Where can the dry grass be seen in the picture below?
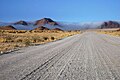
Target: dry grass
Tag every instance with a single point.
(11, 39)
(111, 32)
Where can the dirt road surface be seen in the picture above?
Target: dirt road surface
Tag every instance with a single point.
(87, 56)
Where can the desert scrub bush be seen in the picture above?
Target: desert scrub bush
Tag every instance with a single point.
(26, 42)
(37, 31)
(21, 31)
(52, 38)
(9, 39)
(1, 31)
(16, 45)
(19, 39)
(2, 40)
(45, 38)
(36, 39)
(11, 31)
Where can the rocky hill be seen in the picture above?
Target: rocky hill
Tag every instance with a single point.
(9, 27)
(110, 24)
(41, 28)
(21, 23)
(46, 21)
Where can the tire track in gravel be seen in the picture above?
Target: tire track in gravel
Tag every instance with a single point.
(41, 70)
(67, 72)
(58, 67)
(74, 54)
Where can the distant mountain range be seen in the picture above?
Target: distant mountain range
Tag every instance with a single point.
(49, 24)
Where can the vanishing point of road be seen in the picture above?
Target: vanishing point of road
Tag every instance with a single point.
(86, 56)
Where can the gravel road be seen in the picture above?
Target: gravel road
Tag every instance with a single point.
(87, 56)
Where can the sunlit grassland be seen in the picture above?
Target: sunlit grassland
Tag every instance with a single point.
(12, 39)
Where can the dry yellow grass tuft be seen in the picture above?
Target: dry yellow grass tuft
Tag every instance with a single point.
(11, 39)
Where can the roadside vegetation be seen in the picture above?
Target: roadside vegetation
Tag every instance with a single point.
(14, 39)
(111, 32)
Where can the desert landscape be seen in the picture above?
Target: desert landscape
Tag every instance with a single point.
(59, 39)
(57, 54)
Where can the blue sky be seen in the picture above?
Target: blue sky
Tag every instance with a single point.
(60, 10)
